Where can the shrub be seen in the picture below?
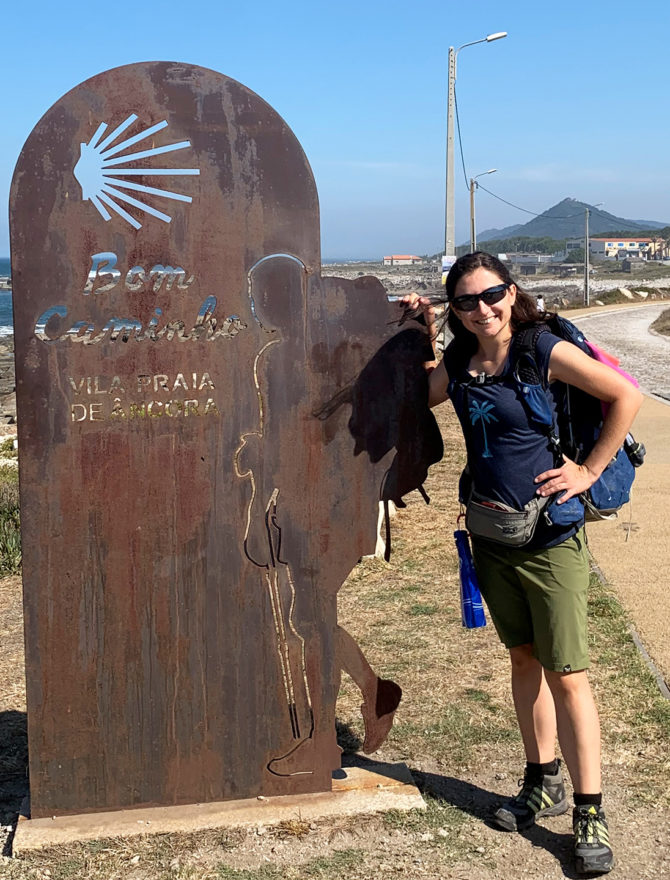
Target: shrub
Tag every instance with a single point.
(10, 529)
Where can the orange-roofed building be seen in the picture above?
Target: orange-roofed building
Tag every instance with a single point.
(402, 260)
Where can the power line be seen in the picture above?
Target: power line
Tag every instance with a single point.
(518, 207)
(460, 142)
(526, 211)
(500, 199)
(561, 217)
(631, 222)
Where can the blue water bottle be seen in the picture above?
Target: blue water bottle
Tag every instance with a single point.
(472, 607)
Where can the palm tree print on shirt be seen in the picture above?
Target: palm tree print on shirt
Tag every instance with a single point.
(482, 412)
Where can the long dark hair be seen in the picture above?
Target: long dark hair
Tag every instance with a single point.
(524, 309)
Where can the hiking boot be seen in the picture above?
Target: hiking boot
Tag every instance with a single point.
(593, 854)
(539, 796)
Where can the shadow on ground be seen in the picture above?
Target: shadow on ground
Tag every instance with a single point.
(348, 740)
(13, 768)
(481, 804)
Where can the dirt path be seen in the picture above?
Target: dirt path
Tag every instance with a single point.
(633, 551)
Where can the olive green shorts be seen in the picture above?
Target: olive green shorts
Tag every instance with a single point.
(538, 597)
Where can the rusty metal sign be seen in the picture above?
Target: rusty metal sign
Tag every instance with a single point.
(188, 517)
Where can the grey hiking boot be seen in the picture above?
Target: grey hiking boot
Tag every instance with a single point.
(593, 854)
(539, 796)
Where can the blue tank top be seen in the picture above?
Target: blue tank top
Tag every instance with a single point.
(505, 451)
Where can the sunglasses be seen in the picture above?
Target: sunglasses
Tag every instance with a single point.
(490, 297)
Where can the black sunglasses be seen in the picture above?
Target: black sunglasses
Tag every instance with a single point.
(490, 297)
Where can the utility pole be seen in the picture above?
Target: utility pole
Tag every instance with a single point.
(473, 233)
(450, 219)
(473, 226)
(586, 258)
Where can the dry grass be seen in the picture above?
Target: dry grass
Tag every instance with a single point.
(457, 711)
(455, 727)
(407, 618)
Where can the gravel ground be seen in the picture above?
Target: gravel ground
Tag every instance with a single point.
(596, 284)
(625, 333)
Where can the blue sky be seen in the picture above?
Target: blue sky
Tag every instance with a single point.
(574, 102)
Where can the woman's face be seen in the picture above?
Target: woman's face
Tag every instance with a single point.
(486, 322)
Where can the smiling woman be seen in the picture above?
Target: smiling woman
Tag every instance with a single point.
(529, 547)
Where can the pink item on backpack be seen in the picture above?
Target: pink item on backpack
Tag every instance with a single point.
(606, 358)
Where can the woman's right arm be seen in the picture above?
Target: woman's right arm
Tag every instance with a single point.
(438, 381)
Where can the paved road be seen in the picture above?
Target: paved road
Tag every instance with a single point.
(633, 551)
(625, 333)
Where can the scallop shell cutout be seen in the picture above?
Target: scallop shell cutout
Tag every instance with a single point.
(102, 167)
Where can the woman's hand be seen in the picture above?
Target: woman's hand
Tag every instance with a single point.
(413, 302)
(415, 305)
(571, 479)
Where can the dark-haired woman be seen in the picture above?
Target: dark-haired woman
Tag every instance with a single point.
(536, 593)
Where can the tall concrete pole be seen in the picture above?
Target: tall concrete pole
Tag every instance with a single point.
(586, 259)
(450, 210)
(473, 234)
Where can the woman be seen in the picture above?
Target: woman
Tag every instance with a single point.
(536, 594)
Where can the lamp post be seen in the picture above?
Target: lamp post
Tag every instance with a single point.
(449, 232)
(587, 289)
(587, 268)
(473, 187)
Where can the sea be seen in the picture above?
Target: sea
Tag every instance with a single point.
(6, 318)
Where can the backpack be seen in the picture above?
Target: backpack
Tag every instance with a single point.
(389, 410)
(579, 415)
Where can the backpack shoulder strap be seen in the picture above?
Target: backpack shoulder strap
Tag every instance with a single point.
(532, 387)
(523, 354)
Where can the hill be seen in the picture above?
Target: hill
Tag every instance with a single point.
(566, 220)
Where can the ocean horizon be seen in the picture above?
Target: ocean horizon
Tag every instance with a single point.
(6, 311)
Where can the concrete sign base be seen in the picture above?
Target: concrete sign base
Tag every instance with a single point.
(375, 788)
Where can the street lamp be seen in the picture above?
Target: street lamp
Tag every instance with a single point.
(449, 244)
(473, 186)
(587, 269)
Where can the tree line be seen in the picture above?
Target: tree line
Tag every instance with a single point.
(529, 244)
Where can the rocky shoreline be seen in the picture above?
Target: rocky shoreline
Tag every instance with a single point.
(7, 387)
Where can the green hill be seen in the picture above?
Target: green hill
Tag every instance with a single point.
(566, 220)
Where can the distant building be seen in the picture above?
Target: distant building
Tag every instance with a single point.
(402, 260)
(618, 248)
(519, 259)
(633, 264)
(525, 264)
(573, 244)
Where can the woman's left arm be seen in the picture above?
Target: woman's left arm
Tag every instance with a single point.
(569, 364)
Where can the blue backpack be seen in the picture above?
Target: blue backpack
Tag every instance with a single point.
(579, 417)
(578, 423)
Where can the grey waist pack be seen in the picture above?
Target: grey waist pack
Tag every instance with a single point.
(501, 523)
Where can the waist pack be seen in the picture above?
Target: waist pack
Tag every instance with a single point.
(501, 523)
(498, 522)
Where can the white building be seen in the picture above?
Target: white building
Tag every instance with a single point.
(402, 260)
(611, 248)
